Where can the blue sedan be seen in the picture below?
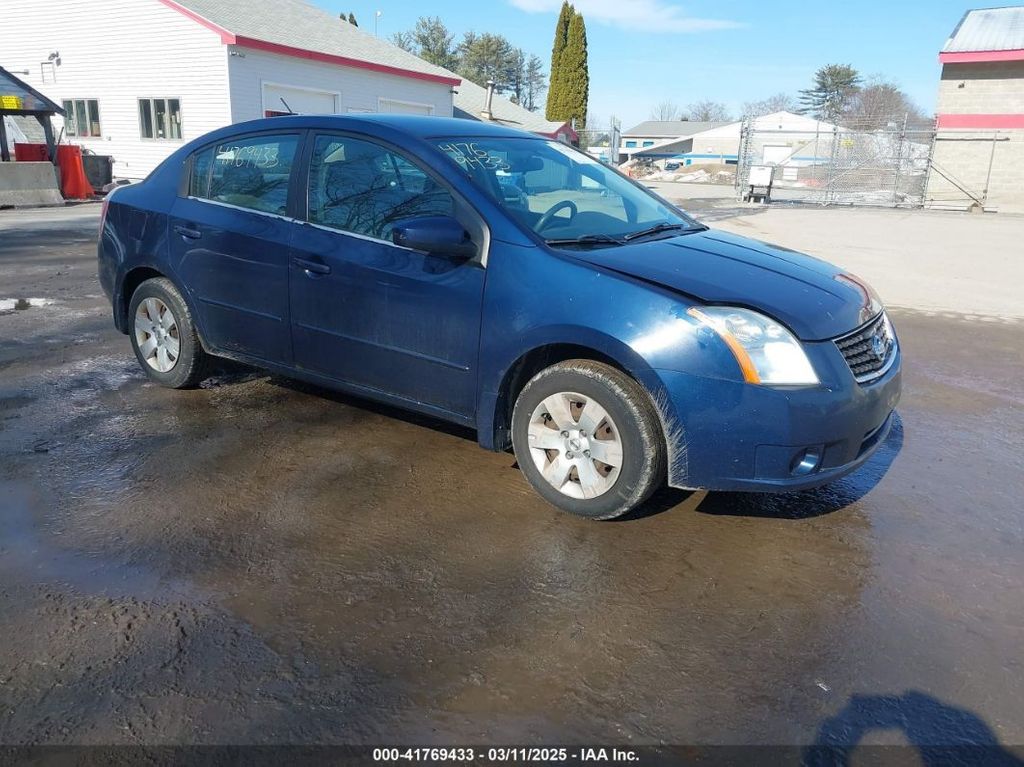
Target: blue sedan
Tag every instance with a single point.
(509, 283)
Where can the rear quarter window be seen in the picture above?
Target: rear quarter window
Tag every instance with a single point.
(253, 172)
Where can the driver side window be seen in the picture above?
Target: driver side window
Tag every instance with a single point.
(361, 187)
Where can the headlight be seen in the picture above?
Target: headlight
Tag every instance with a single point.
(767, 353)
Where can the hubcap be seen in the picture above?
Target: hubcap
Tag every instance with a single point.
(156, 333)
(575, 445)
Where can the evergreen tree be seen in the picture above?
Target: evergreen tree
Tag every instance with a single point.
(834, 87)
(556, 87)
(433, 42)
(487, 56)
(575, 74)
(405, 41)
(352, 20)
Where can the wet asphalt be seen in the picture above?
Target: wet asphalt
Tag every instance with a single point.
(260, 561)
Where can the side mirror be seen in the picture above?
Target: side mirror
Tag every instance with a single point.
(436, 235)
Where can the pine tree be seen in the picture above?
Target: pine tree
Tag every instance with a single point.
(434, 42)
(834, 88)
(555, 105)
(352, 20)
(576, 75)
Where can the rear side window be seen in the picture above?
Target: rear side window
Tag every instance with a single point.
(362, 187)
(199, 183)
(251, 173)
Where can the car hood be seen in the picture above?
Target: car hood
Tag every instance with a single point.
(719, 268)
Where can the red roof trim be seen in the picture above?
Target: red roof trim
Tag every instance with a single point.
(226, 37)
(230, 38)
(976, 122)
(345, 61)
(978, 57)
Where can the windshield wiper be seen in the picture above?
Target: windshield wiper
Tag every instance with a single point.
(662, 227)
(587, 239)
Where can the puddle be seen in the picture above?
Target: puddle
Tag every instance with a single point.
(8, 305)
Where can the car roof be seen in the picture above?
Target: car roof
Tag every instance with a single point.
(419, 126)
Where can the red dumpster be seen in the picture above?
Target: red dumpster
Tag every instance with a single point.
(30, 153)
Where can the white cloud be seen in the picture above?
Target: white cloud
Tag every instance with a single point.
(647, 15)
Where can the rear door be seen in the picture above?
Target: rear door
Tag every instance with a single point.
(229, 242)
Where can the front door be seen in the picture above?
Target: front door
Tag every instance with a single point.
(229, 243)
(366, 311)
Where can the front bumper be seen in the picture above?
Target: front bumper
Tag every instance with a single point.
(728, 435)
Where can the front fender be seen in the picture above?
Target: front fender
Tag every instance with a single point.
(494, 396)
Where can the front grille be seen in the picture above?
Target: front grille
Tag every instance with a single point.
(869, 350)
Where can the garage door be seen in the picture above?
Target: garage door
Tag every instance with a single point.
(280, 99)
(775, 154)
(405, 107)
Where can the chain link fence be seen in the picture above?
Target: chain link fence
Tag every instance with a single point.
(840, 165)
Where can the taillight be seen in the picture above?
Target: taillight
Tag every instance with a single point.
(103, 212)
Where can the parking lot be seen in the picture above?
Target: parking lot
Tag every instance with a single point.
(261, 561)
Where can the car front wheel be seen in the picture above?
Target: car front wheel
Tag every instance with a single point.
(588, 439)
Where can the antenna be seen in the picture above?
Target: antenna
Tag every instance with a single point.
(287, 107)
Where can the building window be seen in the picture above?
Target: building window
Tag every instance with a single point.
(630, 145)
(160, 118)
(82, 117)
(648, 143)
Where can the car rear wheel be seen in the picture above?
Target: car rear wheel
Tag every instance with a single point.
(164, 336)
(588, 439)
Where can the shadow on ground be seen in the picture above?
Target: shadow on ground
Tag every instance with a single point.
(940, 733)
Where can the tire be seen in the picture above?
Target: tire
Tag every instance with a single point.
(628, 432)
(183, 364)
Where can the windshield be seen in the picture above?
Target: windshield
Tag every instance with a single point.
(564, 195)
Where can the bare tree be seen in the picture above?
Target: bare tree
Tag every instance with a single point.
(534, 81)
(881, 104)
(708, 111)
(780, 102)
(666, 111)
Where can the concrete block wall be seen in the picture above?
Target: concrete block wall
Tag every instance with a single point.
(965, 156)
(982, 88)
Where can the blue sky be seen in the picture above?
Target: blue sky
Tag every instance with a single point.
(646, 51)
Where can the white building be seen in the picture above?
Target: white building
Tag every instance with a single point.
(781, 138)
(140, 77)
(650, 133)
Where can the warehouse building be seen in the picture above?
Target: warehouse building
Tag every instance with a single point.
(978, 159)
(782, 138)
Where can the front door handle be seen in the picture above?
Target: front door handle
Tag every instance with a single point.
(188, 232)
(314, 267)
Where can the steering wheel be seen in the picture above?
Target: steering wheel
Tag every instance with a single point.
(549, 214)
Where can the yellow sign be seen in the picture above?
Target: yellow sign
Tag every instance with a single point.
(8, 101)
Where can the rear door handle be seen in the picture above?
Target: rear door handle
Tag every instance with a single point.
(315, 267)
(184, 231)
